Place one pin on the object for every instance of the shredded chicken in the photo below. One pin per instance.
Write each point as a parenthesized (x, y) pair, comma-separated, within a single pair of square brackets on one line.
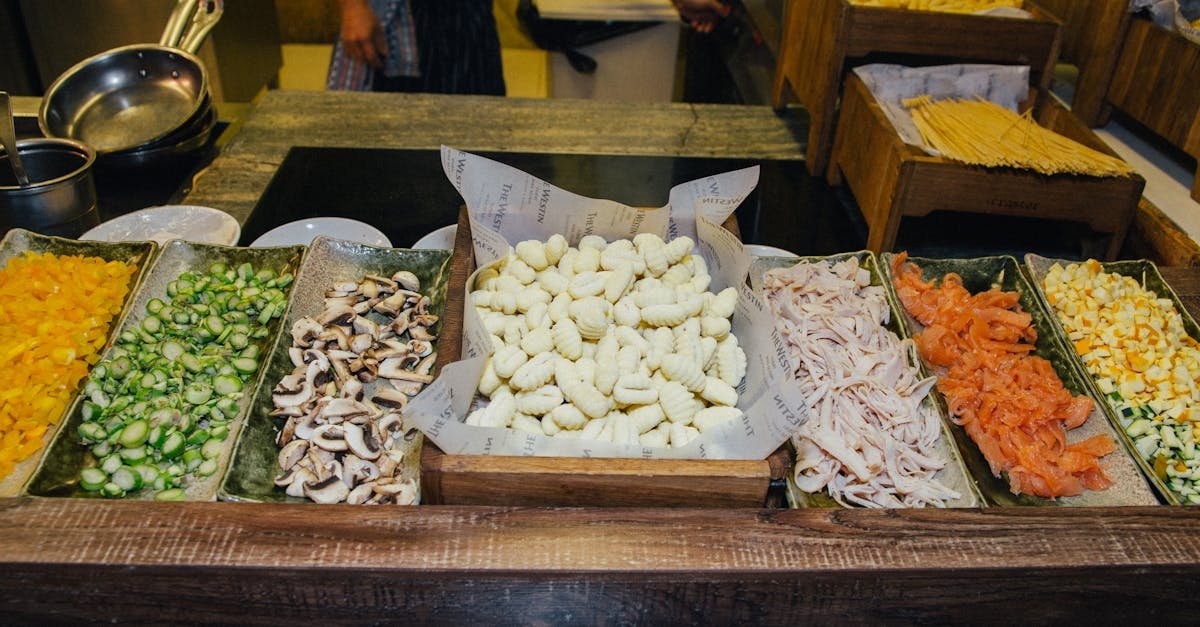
[(870, 441)]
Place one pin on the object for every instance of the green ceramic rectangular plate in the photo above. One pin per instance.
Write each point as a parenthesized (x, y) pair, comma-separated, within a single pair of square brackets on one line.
[(1146, 274), (254, 468), (58, 474), (1129, 488), (954, 475), (20, 241)]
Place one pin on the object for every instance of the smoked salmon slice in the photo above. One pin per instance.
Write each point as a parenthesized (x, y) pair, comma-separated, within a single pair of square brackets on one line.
[(1010, 402)]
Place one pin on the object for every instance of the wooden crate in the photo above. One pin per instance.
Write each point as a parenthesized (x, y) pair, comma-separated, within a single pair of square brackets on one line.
[(891, 180), (577, 482), (1155, 84), (1093, 31), (823, 38)]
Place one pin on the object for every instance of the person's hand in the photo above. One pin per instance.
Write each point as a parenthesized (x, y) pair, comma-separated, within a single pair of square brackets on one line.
[(362, 36), (703, 15)]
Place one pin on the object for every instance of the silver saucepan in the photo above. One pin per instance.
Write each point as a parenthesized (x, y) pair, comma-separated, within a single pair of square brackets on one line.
[(135, 95)]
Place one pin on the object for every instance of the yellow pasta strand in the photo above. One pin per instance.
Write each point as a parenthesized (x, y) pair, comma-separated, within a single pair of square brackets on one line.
[(942, 6), (979, 132)]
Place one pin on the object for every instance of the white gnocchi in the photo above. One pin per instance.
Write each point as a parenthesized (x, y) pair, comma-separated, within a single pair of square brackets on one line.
[(619, 342)]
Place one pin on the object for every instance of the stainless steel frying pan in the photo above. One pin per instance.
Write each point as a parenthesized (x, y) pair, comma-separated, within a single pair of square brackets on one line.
[(135, 95)]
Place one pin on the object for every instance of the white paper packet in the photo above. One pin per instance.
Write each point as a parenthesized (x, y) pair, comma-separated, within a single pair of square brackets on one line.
[(506, 206), (1005, 85)]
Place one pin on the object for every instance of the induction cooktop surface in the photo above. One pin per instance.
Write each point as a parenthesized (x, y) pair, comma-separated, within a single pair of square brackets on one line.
[(405, 194)]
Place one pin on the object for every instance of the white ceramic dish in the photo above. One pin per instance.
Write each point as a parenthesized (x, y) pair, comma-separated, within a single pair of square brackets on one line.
[(193, 223), (304, 231), (441, 239), (762, 250)]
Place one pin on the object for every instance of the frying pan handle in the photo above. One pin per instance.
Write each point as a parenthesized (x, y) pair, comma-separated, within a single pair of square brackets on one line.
[(177, 23), (202, 22)]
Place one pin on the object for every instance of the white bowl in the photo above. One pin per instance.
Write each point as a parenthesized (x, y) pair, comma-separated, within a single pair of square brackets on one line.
[(441, 239), (305, 231), (762, 250), (161, 224)]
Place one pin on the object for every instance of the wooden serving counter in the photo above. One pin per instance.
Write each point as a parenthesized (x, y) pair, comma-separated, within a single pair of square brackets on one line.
[(73, 560)]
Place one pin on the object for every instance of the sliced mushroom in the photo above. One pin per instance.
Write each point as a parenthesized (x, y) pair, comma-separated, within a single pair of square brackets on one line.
[(423, 305), (290, 411), (362, 342), (390, 399), (425, 320), (366, 325), (288, 432), (330, 437), (360, 470), (420, 348), (313, 355), (359, 495), (391, 305), (426, 365), (304, 331), (392, 370), (340, 299), (319, 457), (341, 372), (292, 391), (411, 388), (285, 479), (407, 280), (296, 354), (362, 442), (291, 453), (305, 425), (337, 335), (329, 490), (343, 407), (421, 333), (340, 316), (368, 288), (345, 286), (389, 462), (353, 389), (301, 477)]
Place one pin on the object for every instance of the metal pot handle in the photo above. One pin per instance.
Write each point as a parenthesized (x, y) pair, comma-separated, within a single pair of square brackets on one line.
[(177, 23), (202, 22)]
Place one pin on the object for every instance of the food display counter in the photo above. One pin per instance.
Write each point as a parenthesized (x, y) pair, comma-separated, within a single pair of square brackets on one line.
[(75, 559)]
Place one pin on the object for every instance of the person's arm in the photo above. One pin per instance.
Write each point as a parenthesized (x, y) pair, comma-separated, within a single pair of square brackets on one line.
[(362, 36), (701, 14)]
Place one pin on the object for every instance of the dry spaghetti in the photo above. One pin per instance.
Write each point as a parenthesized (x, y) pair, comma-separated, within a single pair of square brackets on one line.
[(984, 133), (943, 6)]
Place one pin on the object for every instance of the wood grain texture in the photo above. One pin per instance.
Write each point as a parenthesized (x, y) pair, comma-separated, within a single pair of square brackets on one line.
[(891, 180), (824, 39), (1154, 83), (575, 482), (70, 560), (1093, 33), (284, 119)]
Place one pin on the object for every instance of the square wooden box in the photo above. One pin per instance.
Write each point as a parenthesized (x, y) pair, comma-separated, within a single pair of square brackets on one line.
[(824, 38), (891, 180), (577, 482)]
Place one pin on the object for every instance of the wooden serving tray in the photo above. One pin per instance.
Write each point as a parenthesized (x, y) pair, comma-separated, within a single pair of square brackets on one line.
[(824, 38), (577, 482), (891, 179)]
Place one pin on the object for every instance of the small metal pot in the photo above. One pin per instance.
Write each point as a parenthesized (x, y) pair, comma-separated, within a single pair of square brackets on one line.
[(61, 197)]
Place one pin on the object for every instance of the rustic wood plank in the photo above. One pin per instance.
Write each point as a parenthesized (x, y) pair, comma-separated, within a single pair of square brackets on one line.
[(1093, 33), (1154, 84), (284, 119), (901, 182), (73, 560)]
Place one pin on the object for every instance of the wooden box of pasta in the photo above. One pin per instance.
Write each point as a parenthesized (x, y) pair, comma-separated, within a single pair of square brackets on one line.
[(822, 39), (452, 478), (1034, 160)]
